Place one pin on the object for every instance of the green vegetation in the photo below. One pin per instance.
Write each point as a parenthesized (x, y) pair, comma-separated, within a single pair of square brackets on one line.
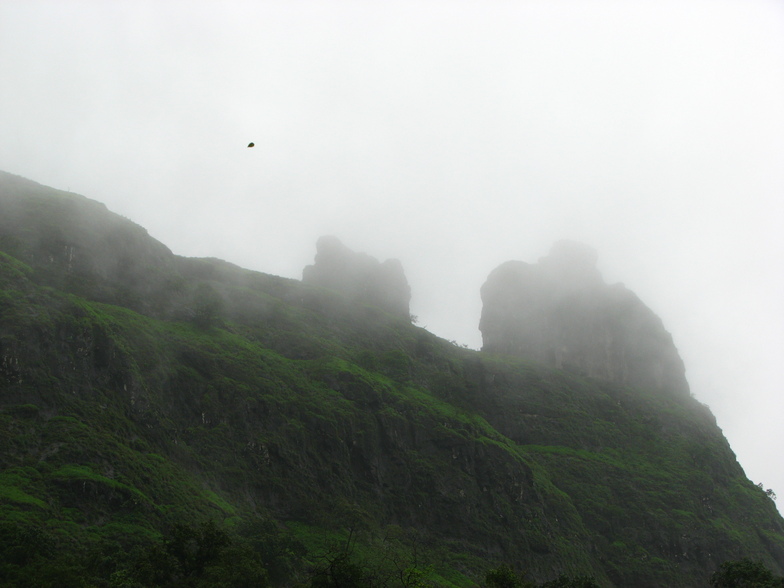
[(506, 577), (745, 573), (180, 422)]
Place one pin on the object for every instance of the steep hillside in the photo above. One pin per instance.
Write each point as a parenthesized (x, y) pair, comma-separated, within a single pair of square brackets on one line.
[(142, 393)]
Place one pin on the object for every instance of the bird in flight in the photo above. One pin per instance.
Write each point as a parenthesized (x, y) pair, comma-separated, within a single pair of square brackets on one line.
[(251, 144)]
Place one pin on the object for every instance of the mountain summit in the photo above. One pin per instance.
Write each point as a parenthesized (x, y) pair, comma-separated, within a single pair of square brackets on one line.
[(359, 277), (560, 312)]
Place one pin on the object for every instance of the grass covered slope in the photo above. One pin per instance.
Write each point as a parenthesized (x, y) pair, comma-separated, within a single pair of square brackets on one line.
[(140, 392)]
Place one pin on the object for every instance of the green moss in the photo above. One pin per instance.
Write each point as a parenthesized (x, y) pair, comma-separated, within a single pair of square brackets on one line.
[(12, 269), (11, 492)]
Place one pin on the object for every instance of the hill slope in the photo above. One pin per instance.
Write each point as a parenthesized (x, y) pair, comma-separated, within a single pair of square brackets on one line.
[(140, 391)]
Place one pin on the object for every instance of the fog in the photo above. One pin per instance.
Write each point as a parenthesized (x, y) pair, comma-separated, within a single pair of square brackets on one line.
[(451, 135)]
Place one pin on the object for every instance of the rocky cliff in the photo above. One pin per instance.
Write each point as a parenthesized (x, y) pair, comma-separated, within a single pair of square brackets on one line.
[(561, 313), (359, 277), (78, 244), (192, 390)]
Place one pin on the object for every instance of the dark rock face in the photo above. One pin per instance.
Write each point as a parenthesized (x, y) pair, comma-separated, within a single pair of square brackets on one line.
[(79, 245), (561, 313), (359, 276)]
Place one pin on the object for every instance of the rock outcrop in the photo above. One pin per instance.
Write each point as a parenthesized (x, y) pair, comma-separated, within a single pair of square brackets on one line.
[(560, 312), (304, 406), (360, 277)]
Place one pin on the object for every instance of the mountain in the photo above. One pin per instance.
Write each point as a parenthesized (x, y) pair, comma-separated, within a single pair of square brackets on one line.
[(360, 277), (186, 422), (559, 312)]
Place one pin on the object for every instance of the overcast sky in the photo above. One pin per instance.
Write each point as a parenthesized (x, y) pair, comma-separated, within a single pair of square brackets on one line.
[(451, 135)]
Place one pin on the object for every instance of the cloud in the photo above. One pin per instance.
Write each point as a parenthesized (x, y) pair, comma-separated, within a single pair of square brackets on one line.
[(451, 135)]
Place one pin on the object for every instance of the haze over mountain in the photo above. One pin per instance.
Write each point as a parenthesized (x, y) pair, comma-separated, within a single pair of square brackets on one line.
[(560, 313), (168, 419), (360, 277), (451, 136)]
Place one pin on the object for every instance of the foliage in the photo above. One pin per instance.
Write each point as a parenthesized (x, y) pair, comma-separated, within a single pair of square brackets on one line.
[(504, 577), (745, 573), (571, 582), (143, 395), (769, 492), (196, 556)]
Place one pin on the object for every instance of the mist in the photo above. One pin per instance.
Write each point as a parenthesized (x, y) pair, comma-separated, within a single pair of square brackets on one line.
[(453, 136)]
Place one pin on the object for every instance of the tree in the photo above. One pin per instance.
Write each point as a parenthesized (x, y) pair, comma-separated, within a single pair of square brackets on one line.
[(281, 551), (745, 573), (196, 557), (571, 582), (341, 572), (505, 577), (769, 492)]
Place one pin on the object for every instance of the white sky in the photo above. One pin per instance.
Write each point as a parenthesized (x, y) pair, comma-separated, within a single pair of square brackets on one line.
[(451, 135)]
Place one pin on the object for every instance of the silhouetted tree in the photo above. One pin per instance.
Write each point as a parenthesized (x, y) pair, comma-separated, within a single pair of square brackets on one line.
[(196, 557), (745, 573), (341, 572), (505, 577), (571, 582)]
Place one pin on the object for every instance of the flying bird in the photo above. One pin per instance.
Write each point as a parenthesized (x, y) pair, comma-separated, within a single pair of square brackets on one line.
[(251, 144)]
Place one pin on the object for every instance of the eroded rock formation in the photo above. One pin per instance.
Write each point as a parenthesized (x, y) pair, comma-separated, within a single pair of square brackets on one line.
[(560, 312), (359, 276)]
